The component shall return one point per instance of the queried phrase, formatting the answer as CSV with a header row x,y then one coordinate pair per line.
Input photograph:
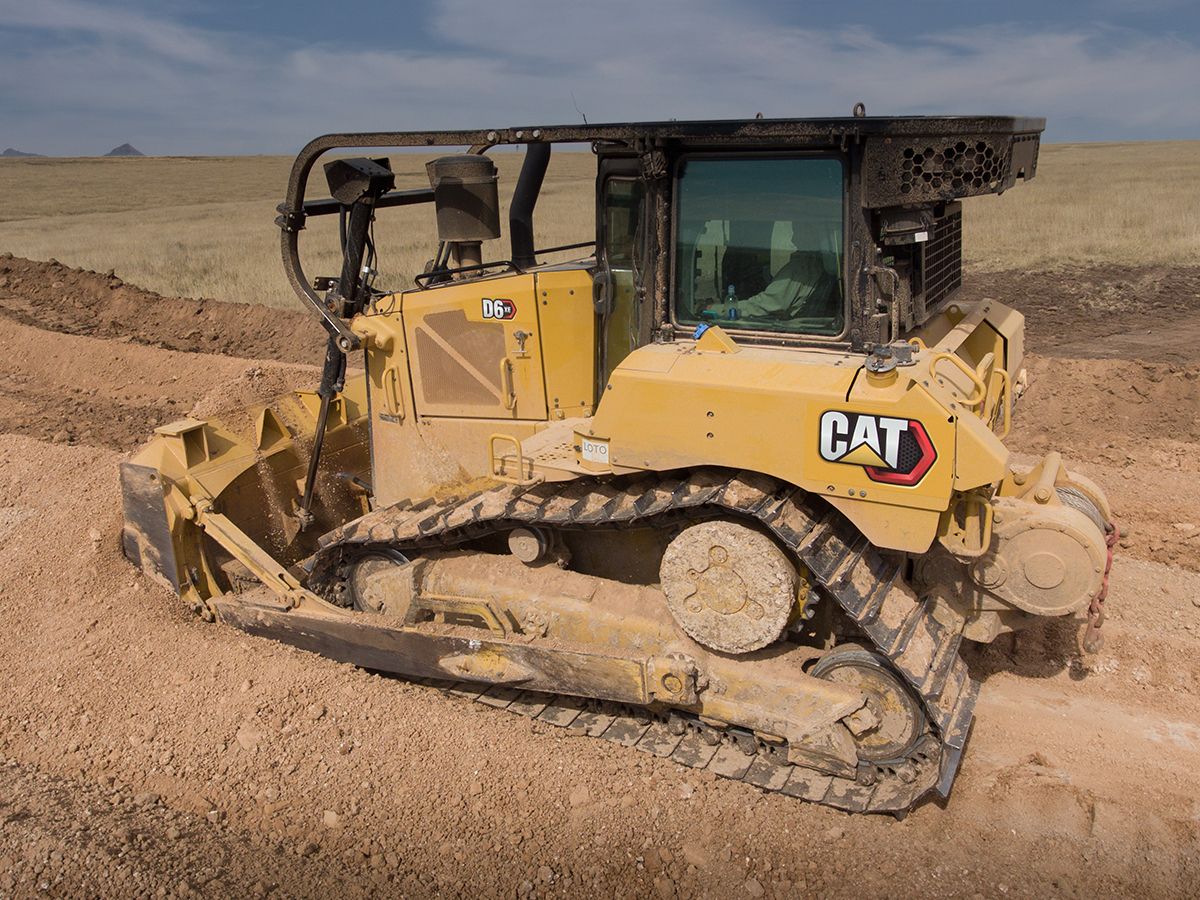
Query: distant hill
x,y
9,151
125,150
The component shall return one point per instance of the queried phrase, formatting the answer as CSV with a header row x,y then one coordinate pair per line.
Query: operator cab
x,y
759,243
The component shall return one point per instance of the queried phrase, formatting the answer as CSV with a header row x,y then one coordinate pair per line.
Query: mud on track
x,y
144,752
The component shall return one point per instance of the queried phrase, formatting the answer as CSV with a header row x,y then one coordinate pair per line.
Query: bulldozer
x,y
729,487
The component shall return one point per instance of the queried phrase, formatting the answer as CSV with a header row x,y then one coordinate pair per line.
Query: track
x,y
866,584
728,753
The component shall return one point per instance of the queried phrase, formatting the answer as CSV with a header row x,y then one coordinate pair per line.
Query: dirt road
x,y
144,752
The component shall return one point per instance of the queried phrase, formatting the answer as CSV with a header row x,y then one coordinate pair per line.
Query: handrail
x,y
972,400
1006,394
496,472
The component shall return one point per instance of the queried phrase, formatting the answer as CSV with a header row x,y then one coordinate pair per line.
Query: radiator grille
x,y
943,259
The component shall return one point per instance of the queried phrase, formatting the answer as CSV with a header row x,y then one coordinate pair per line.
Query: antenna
x,y
577,109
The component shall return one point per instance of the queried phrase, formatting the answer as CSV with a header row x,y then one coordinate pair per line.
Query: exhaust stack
x,y
520,215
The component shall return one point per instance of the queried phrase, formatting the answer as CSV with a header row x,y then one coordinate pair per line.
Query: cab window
x,y
622,221
759,244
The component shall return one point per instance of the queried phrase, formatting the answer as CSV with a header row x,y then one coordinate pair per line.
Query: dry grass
x,y
203,227
1128,204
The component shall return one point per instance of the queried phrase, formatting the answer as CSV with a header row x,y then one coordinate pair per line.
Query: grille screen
x,y
943,259
962,167
459,360
920,170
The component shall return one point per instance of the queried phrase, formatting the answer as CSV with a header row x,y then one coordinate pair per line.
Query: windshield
x,y
759,244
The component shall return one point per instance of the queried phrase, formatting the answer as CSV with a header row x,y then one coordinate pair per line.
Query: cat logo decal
x,y
891,451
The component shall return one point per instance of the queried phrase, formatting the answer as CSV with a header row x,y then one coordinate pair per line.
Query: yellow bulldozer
x,y
730,487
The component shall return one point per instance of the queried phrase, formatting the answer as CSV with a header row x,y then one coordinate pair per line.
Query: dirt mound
x,y
1150,312
54,297
71,389
1094,403
1134,428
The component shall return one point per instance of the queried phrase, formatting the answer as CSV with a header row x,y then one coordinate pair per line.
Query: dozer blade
x,y
209,505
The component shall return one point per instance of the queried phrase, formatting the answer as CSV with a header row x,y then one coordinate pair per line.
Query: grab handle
x,y
391,393
980,392
506,384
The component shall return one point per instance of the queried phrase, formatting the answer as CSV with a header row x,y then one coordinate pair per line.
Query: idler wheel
x,y
888,728
728,586
373,581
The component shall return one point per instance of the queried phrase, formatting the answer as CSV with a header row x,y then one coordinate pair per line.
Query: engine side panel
x,y
799,416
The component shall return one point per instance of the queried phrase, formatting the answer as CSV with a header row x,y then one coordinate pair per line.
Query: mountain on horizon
x,y
9,151
125,150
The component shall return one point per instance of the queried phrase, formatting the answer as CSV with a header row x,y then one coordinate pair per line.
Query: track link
x,y
864,581
728,753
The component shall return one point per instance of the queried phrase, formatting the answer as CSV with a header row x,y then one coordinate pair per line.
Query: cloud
x,y
78,74
159,36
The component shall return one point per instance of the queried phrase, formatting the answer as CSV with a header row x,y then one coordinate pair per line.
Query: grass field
x,y
203,226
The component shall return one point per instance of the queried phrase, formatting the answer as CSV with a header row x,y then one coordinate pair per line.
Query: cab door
x,y
621,224
475,350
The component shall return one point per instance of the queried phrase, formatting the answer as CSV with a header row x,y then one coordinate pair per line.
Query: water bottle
x,y
730,298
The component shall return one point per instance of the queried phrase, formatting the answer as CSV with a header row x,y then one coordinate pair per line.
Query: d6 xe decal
x,y
891,451
498,308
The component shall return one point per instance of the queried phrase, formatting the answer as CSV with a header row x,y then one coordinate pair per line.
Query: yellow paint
x,y
665,406
862,455
568,335
690,404
498,359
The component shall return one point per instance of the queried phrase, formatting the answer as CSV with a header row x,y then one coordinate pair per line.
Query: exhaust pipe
x,y
520,215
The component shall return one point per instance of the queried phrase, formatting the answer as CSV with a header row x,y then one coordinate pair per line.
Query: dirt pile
x,y
1106,312
143,751
1134,427
54,297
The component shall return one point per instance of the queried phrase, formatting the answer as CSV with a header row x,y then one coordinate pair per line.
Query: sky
x,y
181,77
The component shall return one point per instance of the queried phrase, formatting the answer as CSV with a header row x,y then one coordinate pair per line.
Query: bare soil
x,y
1149,313
143,752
